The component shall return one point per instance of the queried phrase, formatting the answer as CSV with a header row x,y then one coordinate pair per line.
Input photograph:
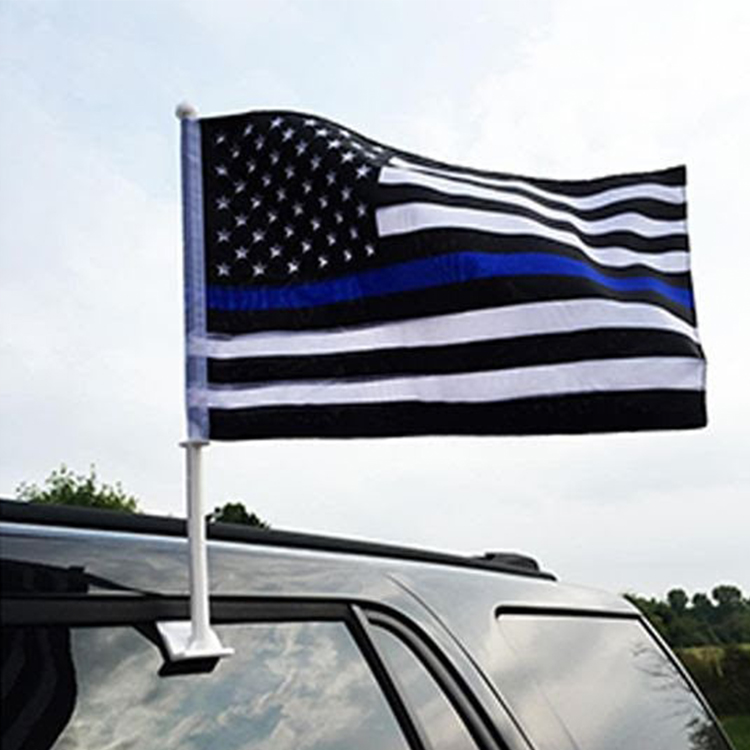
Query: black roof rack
x,y
89,518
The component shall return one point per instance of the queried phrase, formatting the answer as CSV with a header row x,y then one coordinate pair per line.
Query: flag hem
x,y
194,272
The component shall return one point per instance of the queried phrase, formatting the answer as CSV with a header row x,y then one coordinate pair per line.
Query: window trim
x,y
470,711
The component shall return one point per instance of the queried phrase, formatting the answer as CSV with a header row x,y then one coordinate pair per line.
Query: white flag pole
x,y
195,639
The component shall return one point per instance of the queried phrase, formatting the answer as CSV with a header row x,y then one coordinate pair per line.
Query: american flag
x,y
336,287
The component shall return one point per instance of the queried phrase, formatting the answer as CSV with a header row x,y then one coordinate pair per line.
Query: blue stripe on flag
x,y
441,270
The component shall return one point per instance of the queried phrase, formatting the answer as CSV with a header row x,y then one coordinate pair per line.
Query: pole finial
x,y
186,111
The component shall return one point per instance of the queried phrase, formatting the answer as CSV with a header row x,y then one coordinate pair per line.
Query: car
x,y
338,645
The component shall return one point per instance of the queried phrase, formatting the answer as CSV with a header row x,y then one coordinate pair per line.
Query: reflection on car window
x,y
293,686
606,681
442,726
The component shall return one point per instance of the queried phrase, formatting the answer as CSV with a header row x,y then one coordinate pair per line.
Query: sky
x,y
91,348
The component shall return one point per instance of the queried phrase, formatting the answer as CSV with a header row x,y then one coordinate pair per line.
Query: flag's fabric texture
x,y
339,288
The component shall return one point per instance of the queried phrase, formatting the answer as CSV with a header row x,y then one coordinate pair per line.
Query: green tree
x,y
236,512
678,600
727,597
65,487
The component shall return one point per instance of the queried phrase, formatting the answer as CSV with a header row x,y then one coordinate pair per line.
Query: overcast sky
x,y
91,367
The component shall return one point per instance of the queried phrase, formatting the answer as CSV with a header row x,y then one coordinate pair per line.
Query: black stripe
x,y
389,196
469,357
671,177
576,414
628,240
393,193
472,295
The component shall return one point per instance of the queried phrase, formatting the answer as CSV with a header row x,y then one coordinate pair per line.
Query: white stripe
x,y
622,222
476,325
413,217
651,190
592,376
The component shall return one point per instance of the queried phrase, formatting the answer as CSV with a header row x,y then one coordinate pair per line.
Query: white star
x,y
259,269
292,266
220,138
323,200
357,145
297,208
287,135
314,163
289,172
266,180
347,156
221,170
361,209
251,165
339,217
241,253
345,133
223,269
346,193
281,195
369,249
322,261
240,220
288,231
331,178
306,246
274,157
272,216
275,251
353,232
306,186
276,122
239,186
335,143
321,132
347,255
235,152
310,122
300,148
362,171
222,202
222,235
331,239
255,201
248,129
315,222
379,149
258,236
259,141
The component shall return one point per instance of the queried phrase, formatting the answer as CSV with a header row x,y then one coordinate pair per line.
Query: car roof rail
x,y
510,560
108,520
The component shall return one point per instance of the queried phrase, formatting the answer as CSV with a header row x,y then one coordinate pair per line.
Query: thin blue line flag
x,y
336,287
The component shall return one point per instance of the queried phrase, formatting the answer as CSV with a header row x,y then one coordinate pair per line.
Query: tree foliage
x,y
719,619
65,487
236,512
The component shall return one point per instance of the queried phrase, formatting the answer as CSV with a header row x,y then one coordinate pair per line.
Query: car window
x,y
603,683
432,711
291,686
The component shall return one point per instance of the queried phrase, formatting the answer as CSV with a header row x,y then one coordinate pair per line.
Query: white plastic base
x,y
181,646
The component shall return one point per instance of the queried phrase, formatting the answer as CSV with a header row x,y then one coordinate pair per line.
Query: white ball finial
x,y
186,111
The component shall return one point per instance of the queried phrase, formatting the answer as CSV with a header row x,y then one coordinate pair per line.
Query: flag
x,y
336,287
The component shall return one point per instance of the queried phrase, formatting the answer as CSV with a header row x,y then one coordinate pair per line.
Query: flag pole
x,y
196,639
